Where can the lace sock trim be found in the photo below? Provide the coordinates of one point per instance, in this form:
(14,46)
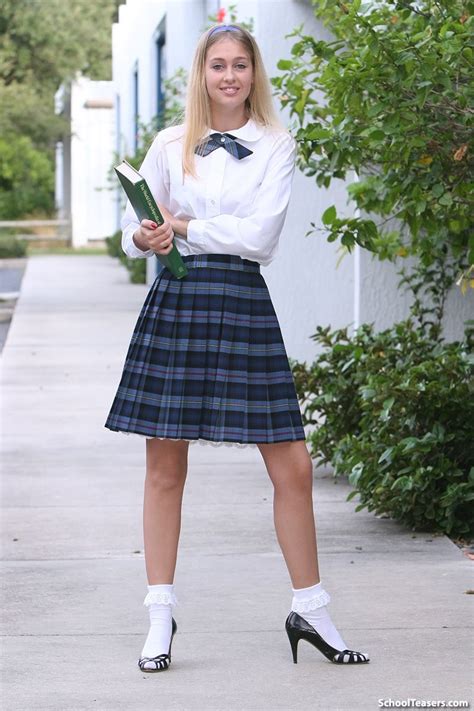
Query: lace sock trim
(312,603)
(160,598)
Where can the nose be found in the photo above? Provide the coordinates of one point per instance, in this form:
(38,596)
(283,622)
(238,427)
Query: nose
(229,75)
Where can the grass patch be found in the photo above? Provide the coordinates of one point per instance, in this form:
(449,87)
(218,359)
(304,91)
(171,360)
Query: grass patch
(77,251)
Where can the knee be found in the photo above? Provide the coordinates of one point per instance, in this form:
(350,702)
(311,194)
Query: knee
(166,465)
(290,467)
(165,479)
(295,481)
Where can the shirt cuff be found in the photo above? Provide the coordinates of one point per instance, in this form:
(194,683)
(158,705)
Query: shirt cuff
(129,246)
(196,233)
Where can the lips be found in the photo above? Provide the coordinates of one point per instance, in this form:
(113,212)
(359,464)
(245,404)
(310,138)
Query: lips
(230,91)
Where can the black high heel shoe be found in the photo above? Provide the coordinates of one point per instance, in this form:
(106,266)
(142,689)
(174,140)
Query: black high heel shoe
(161,661)
(297,628)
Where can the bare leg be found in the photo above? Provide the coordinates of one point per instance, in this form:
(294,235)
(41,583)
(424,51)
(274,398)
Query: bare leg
(291,471)
(166,470)
(290,468)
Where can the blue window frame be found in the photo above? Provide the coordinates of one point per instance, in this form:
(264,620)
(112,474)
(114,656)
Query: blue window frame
(160,41)
(135,107)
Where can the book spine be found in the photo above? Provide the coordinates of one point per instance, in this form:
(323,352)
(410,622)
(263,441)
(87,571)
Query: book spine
(173,260)
(149,203)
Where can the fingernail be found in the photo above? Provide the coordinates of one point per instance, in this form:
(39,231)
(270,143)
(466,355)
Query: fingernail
(154,225)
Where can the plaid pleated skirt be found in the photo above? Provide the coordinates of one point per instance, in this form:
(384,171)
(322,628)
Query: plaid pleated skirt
(207,362)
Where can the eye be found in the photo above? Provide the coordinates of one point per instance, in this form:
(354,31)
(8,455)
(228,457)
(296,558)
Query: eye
(218,67)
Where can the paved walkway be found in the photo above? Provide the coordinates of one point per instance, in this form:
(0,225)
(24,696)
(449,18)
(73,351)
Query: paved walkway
(73,567)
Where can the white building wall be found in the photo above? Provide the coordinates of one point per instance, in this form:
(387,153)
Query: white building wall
(93,204)
(133,45)
(307,288)
(383,304)
(59,179)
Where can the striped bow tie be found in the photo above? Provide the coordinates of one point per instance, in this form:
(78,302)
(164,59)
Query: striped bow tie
(222,140)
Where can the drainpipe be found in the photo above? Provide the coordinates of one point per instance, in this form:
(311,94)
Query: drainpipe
(356,304)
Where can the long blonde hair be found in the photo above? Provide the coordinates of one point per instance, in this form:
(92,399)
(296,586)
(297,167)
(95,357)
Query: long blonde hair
(197,114)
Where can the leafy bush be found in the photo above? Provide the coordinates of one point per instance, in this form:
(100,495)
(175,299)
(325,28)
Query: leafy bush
(136,267)
(26,178)
(137,270)
(11,246)
(114,245)
(395,412)
(388,97)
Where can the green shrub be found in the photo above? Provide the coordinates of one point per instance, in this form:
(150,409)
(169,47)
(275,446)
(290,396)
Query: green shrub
(136,267)
(26,178)
(114,245)
(11,246)
(137,270)
(377,100)
(395,412)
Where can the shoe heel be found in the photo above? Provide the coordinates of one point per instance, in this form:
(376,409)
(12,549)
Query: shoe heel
(294,639)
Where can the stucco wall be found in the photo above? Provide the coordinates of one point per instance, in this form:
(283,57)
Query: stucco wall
(93,211)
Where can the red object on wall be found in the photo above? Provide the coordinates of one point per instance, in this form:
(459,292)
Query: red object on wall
(221,14)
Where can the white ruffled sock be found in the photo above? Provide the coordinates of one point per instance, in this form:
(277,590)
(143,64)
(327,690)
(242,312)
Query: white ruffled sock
(310,603)
(160,601)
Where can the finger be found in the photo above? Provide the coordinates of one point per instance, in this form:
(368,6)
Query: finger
(162,230)
(149,224)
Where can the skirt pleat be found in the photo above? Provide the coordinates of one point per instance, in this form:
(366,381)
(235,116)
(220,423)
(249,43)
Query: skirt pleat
(207,362)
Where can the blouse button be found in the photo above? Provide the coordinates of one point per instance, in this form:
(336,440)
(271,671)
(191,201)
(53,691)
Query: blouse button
(222,139)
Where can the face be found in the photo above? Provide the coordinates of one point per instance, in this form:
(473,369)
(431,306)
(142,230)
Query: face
(229,74)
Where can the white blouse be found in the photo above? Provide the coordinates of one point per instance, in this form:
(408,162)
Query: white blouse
(237,206)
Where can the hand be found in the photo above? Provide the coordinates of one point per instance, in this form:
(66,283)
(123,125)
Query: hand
(159,238)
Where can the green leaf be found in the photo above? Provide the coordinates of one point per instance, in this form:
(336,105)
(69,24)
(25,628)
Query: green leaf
(285,64)
(446,199)
(351,495)
(316,134)
(402,483)
(329,215)
(377,135)
(386,456)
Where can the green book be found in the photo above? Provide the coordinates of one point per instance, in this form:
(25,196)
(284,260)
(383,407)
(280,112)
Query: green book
(146,208)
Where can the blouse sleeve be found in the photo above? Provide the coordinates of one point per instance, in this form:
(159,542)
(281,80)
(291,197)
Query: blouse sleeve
(154,170)
(255,236)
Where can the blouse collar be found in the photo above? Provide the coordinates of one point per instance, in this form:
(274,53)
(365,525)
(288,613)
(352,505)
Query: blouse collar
(250,131)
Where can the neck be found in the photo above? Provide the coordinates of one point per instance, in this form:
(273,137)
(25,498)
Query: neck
(227,121)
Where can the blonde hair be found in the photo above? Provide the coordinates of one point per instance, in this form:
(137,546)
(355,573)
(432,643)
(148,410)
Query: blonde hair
(197,114)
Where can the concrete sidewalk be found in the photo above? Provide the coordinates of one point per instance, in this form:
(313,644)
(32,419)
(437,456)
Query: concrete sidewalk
(73,567)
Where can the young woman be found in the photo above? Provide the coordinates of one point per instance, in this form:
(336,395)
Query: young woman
(207,361)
